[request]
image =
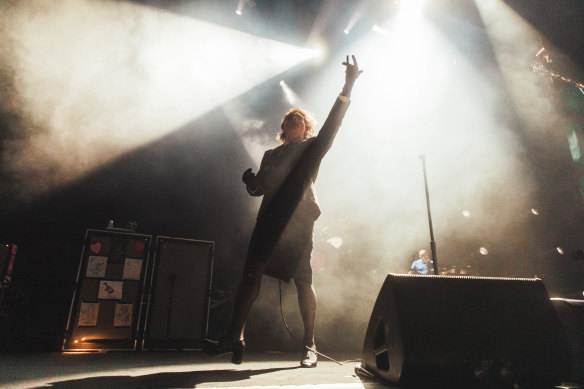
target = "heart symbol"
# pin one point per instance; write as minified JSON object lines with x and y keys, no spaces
{"x":139,"y":246}
{"x":95,"y":247}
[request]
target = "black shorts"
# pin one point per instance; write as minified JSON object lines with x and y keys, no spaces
{"x":286,"y":256}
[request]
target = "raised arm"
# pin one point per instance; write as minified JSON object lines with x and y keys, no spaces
{"x":331,"y":125}
{"x":301,"y":177}
{"x":352,"y":72}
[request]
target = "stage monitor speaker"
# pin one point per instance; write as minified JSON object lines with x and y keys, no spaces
{"x":571,"y":314}
{"x":445,"y":331}
{"x":180,"y":288}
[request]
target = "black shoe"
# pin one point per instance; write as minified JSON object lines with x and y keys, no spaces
{"x":225,"y":346}
{"x":309,"y":357}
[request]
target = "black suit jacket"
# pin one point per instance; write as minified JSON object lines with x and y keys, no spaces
{"x":289,"y":190}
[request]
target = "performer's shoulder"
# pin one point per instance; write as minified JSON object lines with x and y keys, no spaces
{"x":270,"y":153}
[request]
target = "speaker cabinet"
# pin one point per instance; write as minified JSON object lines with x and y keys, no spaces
{"x":178,"y":306}
{"x":444,"y":331}
{"x":107,"y":302}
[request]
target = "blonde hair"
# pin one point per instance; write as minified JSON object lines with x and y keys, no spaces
{"x":308,"y":119}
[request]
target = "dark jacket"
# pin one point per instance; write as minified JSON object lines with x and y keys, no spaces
{"x":287,"y":173}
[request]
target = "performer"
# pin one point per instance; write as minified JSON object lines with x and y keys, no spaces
{"x":423,"y":265}
{"x":281,"y":243}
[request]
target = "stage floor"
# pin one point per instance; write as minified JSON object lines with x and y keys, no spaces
{"x":175,"y":369}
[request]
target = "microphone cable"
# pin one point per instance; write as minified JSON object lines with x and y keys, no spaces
{"x":296,"y":339}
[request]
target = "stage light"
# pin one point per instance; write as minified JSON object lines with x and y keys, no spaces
{"x":357,"y":14}
{"x":240,"y":5}
{"x":411,"y":7}
{"x":483,"y":251}
{"x":318,"y":51}
{"x":419,"y":102}
{"x":535,"y":211}
{"x":381,"y":31}
{"x":289,"y":94}
{"x":560,"y":250}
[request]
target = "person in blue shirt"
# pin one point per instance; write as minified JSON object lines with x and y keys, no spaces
{"x":422,"y":265}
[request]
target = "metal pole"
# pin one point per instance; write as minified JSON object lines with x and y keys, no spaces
{"x":432,"y":243}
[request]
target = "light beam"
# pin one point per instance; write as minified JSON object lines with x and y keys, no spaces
{"x":93,"y":88}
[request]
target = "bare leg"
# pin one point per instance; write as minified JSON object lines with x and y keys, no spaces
{"x":247,"y":293}
{"x":307,"y":303}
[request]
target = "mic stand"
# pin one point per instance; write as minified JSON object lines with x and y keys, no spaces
{"x":432,"y":243}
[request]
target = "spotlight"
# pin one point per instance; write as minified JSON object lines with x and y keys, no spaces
{"x":240,"y":5}
{"x":535,"y":211}
{"x":411,"y":6}
{"x":466,"y":213}
{"x":354,"y":19}
{"x":381,"y":31}
{"x":483,"y":251}
{"x":543,"y":53}
{"x":560,"y":250}
{"x":291,"y":97}
{"x":317,"y":49}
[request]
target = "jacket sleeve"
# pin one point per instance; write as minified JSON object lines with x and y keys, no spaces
{"x":260,"y":180}
{"x":326,"y":135}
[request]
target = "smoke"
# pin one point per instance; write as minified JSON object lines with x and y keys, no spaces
{"x":419,"y":95}
{"x":67,"y":88}
{"x":251,"y":128}
{"x":91,"y":80}
{"x":516,"y":44}
{"x":421,"y":98}
{"x":438,"y":106}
